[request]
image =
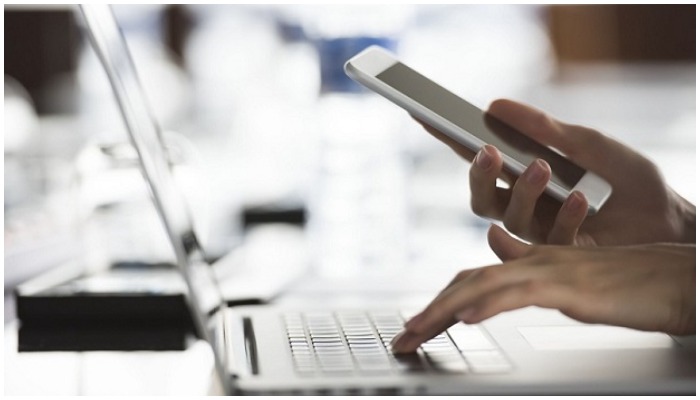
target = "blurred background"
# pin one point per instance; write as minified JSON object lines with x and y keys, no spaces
{"x":276,"y":148}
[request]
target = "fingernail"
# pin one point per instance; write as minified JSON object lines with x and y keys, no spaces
{"x":574,"y":201}
{"x":483,"y":159}
{"x":536,"y":172}
{"x":403,"y":342}
{"x":397,"y":338}
{"x":465,"y":314}
{"x":398,"y":342}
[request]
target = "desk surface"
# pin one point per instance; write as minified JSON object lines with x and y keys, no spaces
{"x":100,"y":372}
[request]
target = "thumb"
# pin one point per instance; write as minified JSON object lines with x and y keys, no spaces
{"x":532,"y":122}
{"x":505,"y":246}
{"x":586,"y":147}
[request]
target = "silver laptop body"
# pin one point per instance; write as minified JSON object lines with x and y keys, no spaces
{"x":318,"y":349}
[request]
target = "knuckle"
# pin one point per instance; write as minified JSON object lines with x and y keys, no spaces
{"x":462,"y":274}
{"x":564,"y":231}
{"x":542,"y":121}
{"x":593,"y":135}
{"x":428,"y":317}
{"x":480,"y":207}
{"x":526,"y":191}
{"x":490,"y":275}
{"x":475,"y":172}
{"x":531,"y":289}
{"x":649,"y":169}
{"x":585,"y":138}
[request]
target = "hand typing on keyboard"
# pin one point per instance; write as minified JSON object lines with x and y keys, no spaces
{"x":646,"y":287}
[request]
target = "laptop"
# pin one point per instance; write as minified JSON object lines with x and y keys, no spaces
{"x":314,"y":349}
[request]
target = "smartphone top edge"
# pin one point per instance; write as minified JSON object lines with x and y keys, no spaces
{"x":372,"y":60}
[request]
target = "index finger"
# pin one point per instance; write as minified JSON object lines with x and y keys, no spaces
{"x":440,"y":313}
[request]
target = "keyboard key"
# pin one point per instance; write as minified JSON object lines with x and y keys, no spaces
{"x":361,"y":339}
{"x":445,"y":357}
{"x":331,"y":350}
{"x":326,"y":340}
{"x":334,"y":359}
{"x":359,"y":331}
{"x":409,"y":362}
{"x":451,"y":367}
{"x":487,"y":361}
{"x":470,"y":337}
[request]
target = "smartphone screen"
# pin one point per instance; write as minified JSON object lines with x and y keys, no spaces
{"x":480,"y":124}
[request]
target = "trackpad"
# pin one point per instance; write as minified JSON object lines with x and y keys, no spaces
{"x":585,"y":337}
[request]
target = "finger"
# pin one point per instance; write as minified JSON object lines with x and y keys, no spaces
{"x":418,"y":322}
{"x":568,"y":220}
{"x":441,"y":311}
{"x":465,"y":274}
{"x":526,"y":191}
{"x":461,"y":277}
{"x":505,"y":246}
{"x":460,"y":149}
{"x":586,"y":147}
{"x":407,"y":341}
{"x":486,"y":198}
{"x":512,"y":297}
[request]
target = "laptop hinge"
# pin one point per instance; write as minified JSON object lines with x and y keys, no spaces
{"x":251,"y":348}
{"x":241,"y":346}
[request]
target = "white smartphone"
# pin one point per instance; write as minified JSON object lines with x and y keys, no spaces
{"x":470,"y":126}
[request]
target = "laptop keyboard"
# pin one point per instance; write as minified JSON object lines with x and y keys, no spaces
{"x":357,"y":341}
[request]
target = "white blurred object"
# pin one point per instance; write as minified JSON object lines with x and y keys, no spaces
{"x":165,"y":84}
{"x":350,"y":20}
{"x":22,"y":176}
{"x":21,"y":122}
{"x":231,"y":58}
{"x":252,"y":271}
{"x":359,"y":213}
{"x":35,"y":241}
{"x":481,"y":52}
{"x":120,"y":222}
{"x":38,"y":220}
{"x":253,"y":95}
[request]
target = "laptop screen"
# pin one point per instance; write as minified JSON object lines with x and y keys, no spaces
{"x":145,"y":134}
{"x":143,"y":130}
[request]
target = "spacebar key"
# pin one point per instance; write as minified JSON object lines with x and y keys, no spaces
{"x":409,"y":362}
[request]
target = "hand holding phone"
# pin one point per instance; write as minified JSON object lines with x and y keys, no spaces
{"x":469,"y":126}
